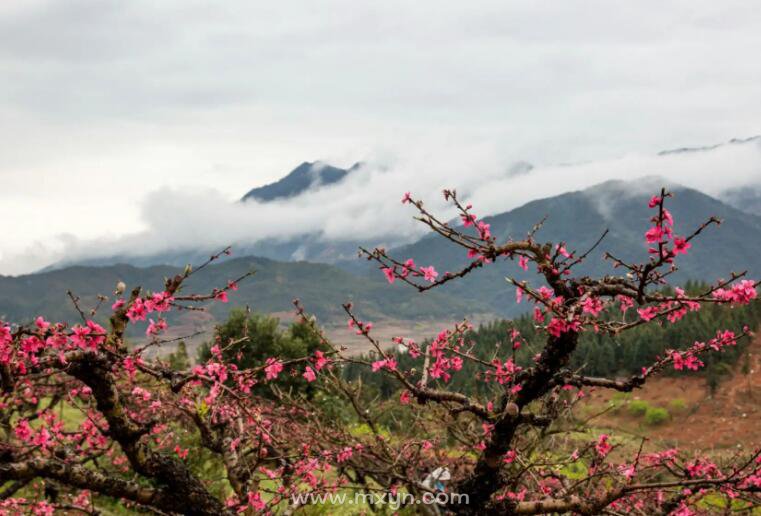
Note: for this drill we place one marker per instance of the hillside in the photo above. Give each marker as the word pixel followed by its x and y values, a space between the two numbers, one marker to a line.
pixel 579 218
pixel 322 288
pixel 697 418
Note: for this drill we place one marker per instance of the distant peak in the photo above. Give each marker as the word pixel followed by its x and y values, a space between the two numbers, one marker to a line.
pixel 308 175
pixel 519 168
pixel 647 184
pixel 733 141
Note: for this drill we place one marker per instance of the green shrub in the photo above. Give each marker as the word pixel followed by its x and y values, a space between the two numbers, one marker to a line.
pixel 638 408
pixel 678 405
pixel 656 415
pixel 249 339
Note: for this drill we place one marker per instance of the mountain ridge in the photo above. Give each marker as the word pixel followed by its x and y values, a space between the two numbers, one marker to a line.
pixel 577 218
pixel 306 176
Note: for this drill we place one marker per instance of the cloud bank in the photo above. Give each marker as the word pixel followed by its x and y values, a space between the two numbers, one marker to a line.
pixel 365 206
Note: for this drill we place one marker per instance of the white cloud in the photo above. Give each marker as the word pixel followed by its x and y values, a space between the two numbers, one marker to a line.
pixel 366 205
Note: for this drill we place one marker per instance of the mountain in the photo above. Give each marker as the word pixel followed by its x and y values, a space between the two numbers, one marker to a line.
pixel 305 248
pixel 746 199
pixel 322 289
pixel 741 155
pixel 311 247
pixel 299 180
pixel 703 148
pixel 580 217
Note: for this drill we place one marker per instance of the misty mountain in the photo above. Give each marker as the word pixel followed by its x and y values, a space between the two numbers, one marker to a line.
pixel 740 155
pixel 308 175
pixel 703 148
pixel 745 199
pixel 302 178
pixel 579 219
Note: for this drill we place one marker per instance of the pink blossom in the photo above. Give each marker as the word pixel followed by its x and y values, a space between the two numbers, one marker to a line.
pixel 404 397
pixel 626 303
pixel 557 327
pixel 468 220
pixel 648 313
pixel 155 327
pixel 159 302
pixel 137 310
pixel 320 360
pixel 221 296
pixel 309 374
pixel 654 235
pixel 387 363
pixel 676 357
pixel 592 305
pixel 43 509
pixel 255 501
pixel 484 230
pixel 344 454
pixel 273 368
pixel 23 431
pixel 5 335
pixel 681 245
pixel 429 273
pixel 603 447
pixel 628 471
pixel 41 323
pixel 523 262
pixel 389 272
pixel 141 393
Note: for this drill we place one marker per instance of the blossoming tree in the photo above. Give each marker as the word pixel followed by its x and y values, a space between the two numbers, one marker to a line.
pixel 146 435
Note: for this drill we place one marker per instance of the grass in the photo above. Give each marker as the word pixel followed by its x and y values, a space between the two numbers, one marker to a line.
pixel 638 408
pixel 656 416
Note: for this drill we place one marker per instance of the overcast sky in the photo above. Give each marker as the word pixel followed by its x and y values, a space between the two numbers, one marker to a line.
pixel 113 113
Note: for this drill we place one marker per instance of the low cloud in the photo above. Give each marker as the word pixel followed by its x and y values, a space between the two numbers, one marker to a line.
pixel 365 206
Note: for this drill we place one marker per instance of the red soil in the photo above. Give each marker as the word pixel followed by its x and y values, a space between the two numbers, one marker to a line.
pixel 730 419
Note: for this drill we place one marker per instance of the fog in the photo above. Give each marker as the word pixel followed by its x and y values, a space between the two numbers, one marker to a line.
pixel 366 204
